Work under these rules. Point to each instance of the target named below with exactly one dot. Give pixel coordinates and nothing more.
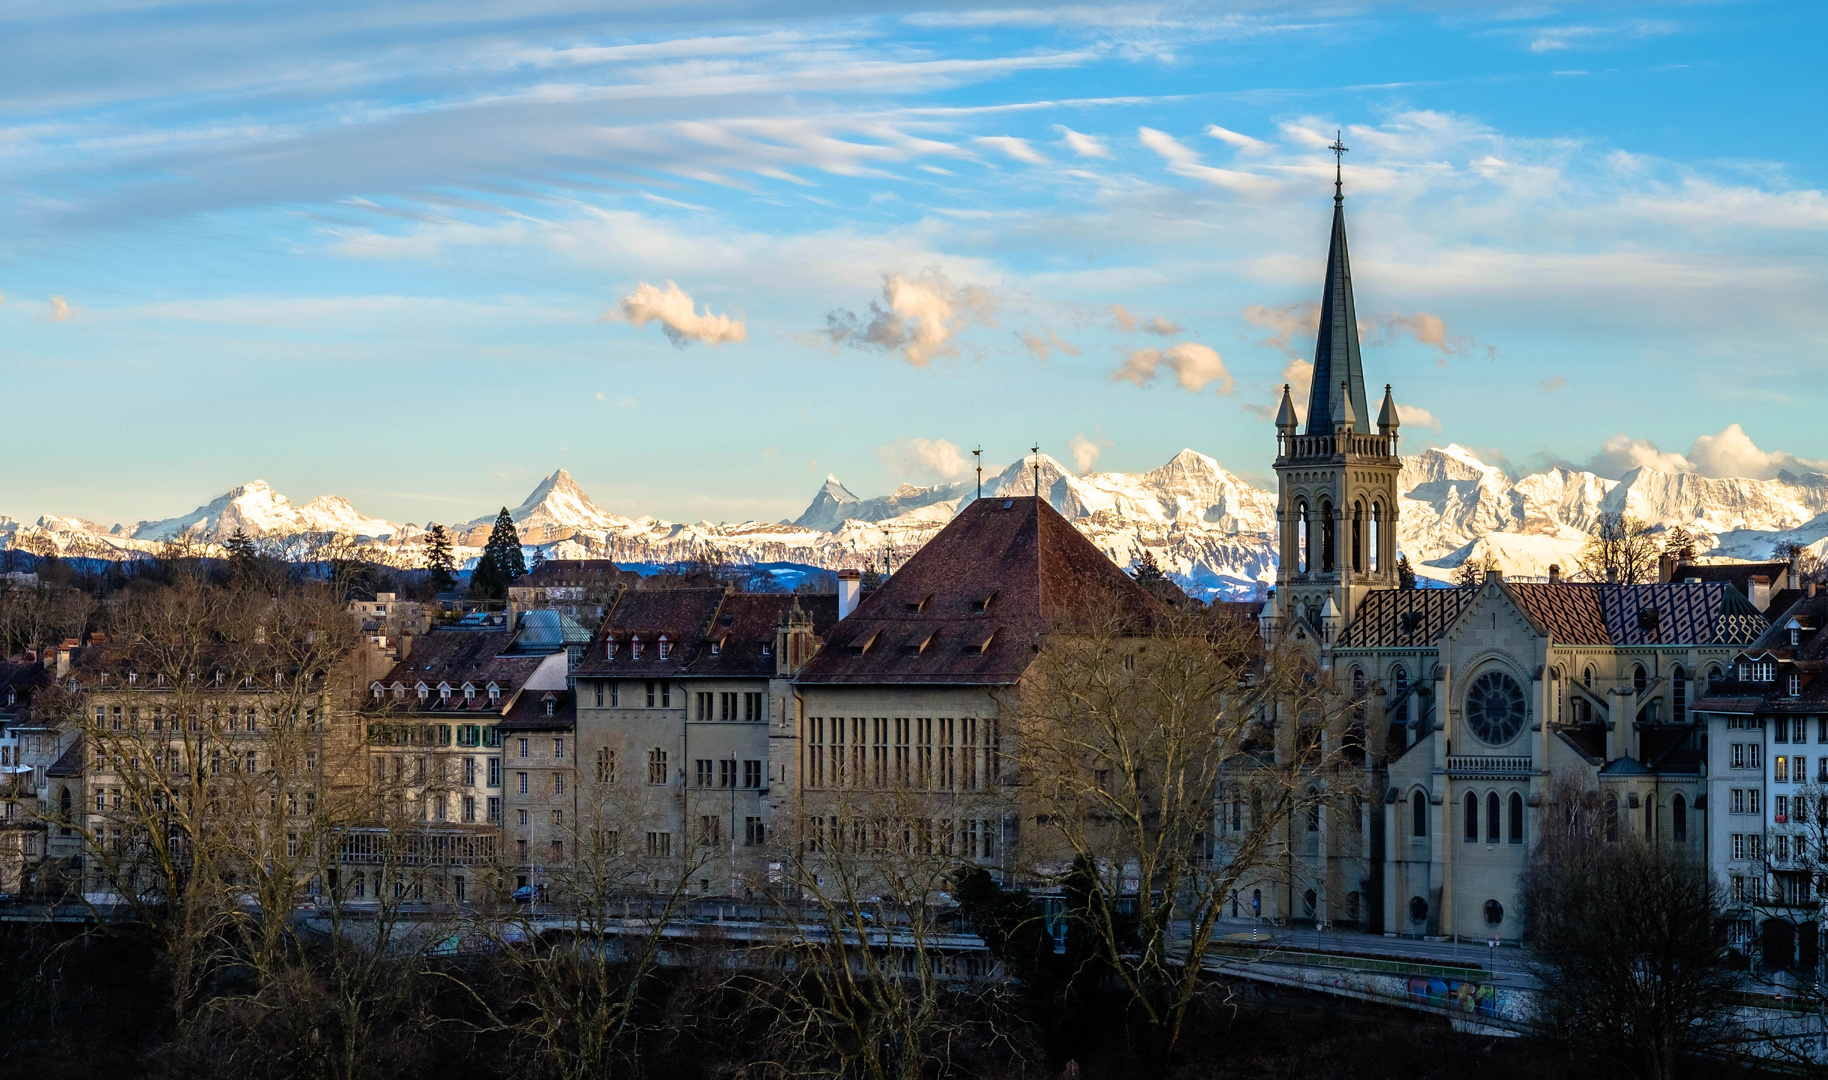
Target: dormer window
(444, 691)
(1796, 633)
(469, 692)
(609, 648)
(717, 648)
(984, 645)
(399, 692)
(665, 646)
(1795, 684)
(551, 705)
(634, 648)
(424, 692)
(218, 676)
(915, 607)
(378, 691)
(494, 693)
(1756, 671)
(133, 678)
(982, 606)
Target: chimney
(1666, 568)
(1794, 573)
(1554, 574)
(850, 590)
(1494, 573)
(1811, 589)
(63, 661)
(1760, 588)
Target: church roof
(1572, 613)
(1336, 354)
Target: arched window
(1556, 688)
(1678, 819)
(1328, 537)
(1374, 545)
(1304, 552)
(1650, 818)
(1313, 811)
(1612, 817)
(1492, 824)
(1399, 678)
(1639, 679)
(1358, 537)
(1715, 675)
(1516, 818)
(1358, 680)
(1471, 815)
(1678, 694)
(1587, 677)
(1419, 811)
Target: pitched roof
(459, 656)
(971, 606)
(529, 712)
(1394, 618)
(70, 763)
(1570, 613)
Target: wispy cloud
(1086, 146)
(1185, 162)
(1043, 344)
(917, 317)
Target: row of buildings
(689, 726)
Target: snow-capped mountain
(1211, 530)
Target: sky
(702, 254)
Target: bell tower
(1337, 479)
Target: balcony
(1490, 765)
(1351, 443)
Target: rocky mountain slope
(1211, 530)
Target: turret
(1287, 423)
(1344, 418)
(1387, 421)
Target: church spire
(1336, 355)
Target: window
(1471, 817)
(521, 818)
(1795, 684)
(1612, 817)
(1780, 730)
(710, 826)
(1738, 800)
(558, 851)
(1751, 797)
(755, 831)
(1739, 755)
(702, 771)
(752, 773)
(656, 766)
(1491, 818)
(1419, 812)
(523, 748)
(494, 809)
(666, 695)
(651, 687)
(599, 695)
(469, 808)
(1678, 819)
(1780, 769)
(754, 707)
(253, 762)
(704, 701)
(660, 844)
(1678, 682)
(1780, 807)
(558, 783)
(494, 772)
(726, 772)
(1517, 817)
(522, 779)
(606, 766)
(1640, 679)
(558, 819)
(1760, 671)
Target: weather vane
(978, 455)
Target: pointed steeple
(1387, 419)
(1286, 418)
(1336, 355)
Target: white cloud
(1086, 146)
(1620, 454)
(1731, 452)
(60, 309)
(1014, 147)
(921, 317)
(1242, 142)
(678, 317)
(1043, 344)
(1413, 417)
(925, 458)
(1194, 366)
(1184, 162)
(1130, 322)
(1085, 451)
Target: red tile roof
(972, 605)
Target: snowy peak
(555, 510)
(829, 508)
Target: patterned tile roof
(1394, 618)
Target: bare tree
(1620, 548)
(1125, 741)
(869, 979)
(1630, 941)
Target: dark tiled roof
(456, 657)
(972, 605)
(711, 633)
(529, 712)
(70, 763)
(577, 571)
(1392, 618)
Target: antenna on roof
(978, 456)
(1037, 452)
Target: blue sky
(420, 254)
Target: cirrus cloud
(678, 316)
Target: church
(1477, 698)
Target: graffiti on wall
(1453, 995)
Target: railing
(1490, 764)
(1352, 442)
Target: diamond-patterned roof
(1393, 618)
(1572, 613)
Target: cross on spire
(1339, 158)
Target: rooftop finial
(1339, 160)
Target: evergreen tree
(501, 563)
(1678, 544)
(241, 552)
(1145, 569)
(438, 561)
(1405, 574)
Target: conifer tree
(240, 550)
(1405, 573)
(501, 563)
(1145, 569)
(1678, 544)
(438, 561)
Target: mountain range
(1212, 531)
